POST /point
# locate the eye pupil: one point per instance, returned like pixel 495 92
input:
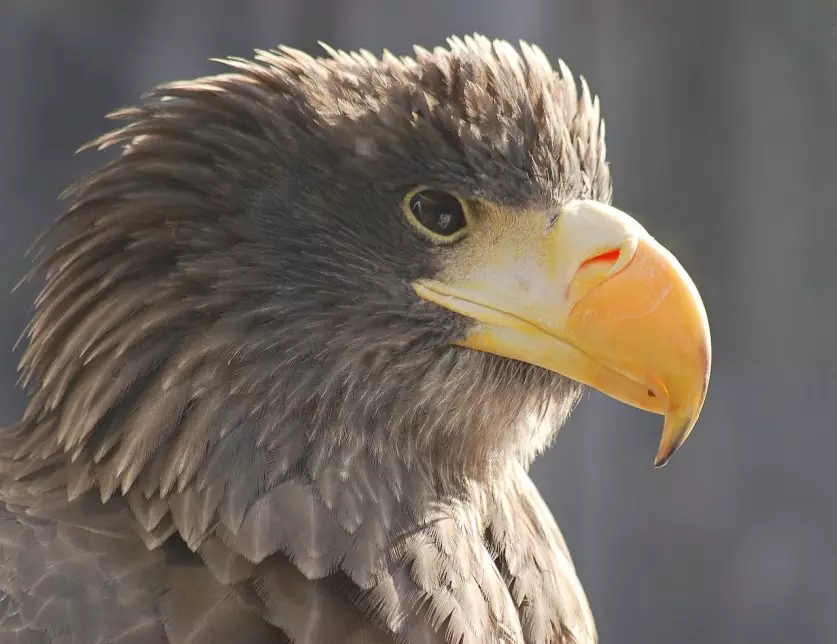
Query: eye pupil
pixel 440 212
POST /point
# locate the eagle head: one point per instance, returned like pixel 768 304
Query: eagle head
pixel 411 258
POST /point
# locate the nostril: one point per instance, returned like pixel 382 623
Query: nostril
pixel 607 257
pixel 593 271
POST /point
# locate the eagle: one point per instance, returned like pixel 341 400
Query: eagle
pixel 298 343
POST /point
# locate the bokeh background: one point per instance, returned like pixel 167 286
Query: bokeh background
pixel 723 142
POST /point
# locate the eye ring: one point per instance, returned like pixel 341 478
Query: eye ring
pixel 437 214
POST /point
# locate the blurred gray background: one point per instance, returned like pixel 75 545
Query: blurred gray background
pixel 723 142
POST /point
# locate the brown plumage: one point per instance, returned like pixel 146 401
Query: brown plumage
pixel 244 426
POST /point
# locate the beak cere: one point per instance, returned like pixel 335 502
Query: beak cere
pixel 595 298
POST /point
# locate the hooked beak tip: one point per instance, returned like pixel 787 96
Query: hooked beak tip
pixel 661 460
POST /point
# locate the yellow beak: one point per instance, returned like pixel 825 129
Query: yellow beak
pixel 595 298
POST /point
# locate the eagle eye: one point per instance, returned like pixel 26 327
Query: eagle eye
pixel 439 215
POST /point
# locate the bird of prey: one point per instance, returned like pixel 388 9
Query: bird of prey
pixel 298 343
